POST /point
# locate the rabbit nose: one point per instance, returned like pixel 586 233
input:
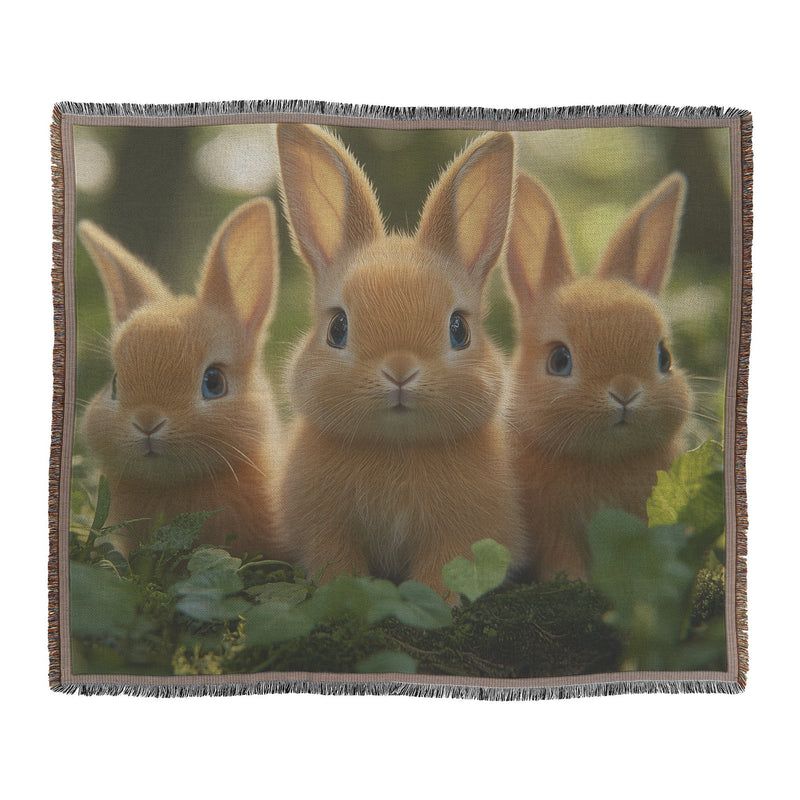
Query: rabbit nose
pixel 624 390
pixel 149 427
pixel 400 370
pixel 624 401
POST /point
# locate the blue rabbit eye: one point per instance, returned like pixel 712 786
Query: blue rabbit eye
pixel 114 387
pixel 664 358
pixel 214 383
pixel 459 331
pixel 337 330
pixel 560 361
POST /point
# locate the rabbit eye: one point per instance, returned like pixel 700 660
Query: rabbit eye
pixel 337 330
pixel 114 387
pixel 664 358
pixel 214 383
pixel 560 361
pixel 459 331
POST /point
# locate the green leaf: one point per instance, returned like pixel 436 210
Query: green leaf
pixel 271 623
pixel 387 661
pixel 474 578
pixel 101 603
pixel 642 572
pixel 206 559
pixel 180 534
pixel 212 607
pixel 366 601
pixel 421 607
pixel 103 504
pixel 698 472
pixel 207 594
pixel 279 593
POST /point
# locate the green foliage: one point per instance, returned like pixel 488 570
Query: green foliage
pixel 362 601
pixel 663 579
pixel 179 607
pixel 474 578
pixel 180 534
pixel 210 592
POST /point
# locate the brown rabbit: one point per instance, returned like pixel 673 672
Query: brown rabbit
pixel 187 423
pixel 597 405
pixel 397 460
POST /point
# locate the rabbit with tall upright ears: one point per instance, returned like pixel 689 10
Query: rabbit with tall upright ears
pixel 397 460
pixel 598 407
pixel 187 423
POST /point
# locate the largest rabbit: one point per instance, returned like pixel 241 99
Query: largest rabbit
pixel 187 422
pixel 397 460
pixel 598 406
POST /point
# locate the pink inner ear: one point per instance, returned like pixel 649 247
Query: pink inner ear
pixel 538 257
pixel 642 249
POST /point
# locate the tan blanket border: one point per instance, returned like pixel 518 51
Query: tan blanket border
pixel 66 114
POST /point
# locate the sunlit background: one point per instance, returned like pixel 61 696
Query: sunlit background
pixel 162 192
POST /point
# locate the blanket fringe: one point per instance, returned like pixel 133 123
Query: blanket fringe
pixel 400 113
pixel 59 378
pixel 740 439
pixel 498 693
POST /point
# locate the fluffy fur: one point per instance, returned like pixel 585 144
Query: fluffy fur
pixel 397 460
pixel 594 437
pixel 164 446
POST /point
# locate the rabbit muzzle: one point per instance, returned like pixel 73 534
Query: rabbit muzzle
pixel 400 373
pixel 625 395
pixel 149 427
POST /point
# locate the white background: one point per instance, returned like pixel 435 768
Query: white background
pixel 499 54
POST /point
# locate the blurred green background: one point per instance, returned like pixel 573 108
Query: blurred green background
pixel 162 192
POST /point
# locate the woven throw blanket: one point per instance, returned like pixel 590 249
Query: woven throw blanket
pixel 395 400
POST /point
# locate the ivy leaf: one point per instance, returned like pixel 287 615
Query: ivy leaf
pixel 387 661
pixel 474 578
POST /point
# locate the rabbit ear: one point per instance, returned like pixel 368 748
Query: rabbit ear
pixel 538 258
pixel 330 203
pixel 466 214
pixel 642 249
pixel 128 282
pixel 241 271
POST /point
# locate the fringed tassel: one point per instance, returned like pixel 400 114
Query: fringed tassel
pixel 59 377
pixel 498 693
pixel 398 113
pixel 740 444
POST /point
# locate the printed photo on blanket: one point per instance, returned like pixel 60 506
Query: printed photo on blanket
pixel 445 401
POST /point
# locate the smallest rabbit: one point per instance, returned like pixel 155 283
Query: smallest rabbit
pixel 187 422
pixel 598 405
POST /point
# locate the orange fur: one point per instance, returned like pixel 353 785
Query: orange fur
pixel 397 460
pixel 165 447
pixel 595 437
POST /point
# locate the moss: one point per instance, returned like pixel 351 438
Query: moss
pixel 551 628
pixel 544 629
pixel 329 648
pixel 708 600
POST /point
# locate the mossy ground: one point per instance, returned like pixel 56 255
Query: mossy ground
pixel 523 631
